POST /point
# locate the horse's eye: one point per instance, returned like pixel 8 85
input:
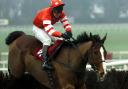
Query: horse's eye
pixel 95 52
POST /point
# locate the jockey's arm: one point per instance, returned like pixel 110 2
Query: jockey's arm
pixel 48 27
pixel 67 26
pixel 65 23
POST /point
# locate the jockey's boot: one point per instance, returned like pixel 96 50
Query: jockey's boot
pixel 46 64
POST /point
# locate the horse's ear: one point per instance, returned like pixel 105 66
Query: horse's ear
pixel 104 38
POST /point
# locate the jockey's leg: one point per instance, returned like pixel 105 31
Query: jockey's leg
pixel 46 64
pixel 45 39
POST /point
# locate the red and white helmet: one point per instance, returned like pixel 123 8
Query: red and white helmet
pixel 56 3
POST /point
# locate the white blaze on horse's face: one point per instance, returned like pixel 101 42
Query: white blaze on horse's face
pixel 103 59
pixel 102 53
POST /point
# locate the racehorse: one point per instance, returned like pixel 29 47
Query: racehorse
pixel 69 63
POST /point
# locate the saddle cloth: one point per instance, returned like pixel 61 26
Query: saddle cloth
pixel 38 51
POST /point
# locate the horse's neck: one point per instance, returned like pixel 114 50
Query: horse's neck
pixel 71 57
pixel 81 51
pixel 84 47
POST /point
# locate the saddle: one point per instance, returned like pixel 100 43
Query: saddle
pixel 38 51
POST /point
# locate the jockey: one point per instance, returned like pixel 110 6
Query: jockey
pixel 43 27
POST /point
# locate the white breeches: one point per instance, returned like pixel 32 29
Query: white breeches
pixel 42 36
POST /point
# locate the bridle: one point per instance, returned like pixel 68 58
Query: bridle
pixel 94 50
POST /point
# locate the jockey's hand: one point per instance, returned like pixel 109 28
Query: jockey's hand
pixel 65 35
pixel 69 34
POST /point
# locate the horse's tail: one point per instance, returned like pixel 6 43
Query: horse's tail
pixel 13 36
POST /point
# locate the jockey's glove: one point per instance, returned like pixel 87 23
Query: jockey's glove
pixel 67 35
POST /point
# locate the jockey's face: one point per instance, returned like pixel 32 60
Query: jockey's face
pixel 56 14
pixel 57 11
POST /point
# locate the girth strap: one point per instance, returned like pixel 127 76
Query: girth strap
pixel 52 81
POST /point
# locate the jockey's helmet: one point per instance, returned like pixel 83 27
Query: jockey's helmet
pixel 57 5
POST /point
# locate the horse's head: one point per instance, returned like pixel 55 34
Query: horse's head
pixel 92 51
pixel 97 54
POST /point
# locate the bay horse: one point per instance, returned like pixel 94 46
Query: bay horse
pixel 69 63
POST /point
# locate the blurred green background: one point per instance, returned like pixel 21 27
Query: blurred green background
pixel 117 34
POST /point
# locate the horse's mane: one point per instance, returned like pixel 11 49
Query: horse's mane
pixel 84 37
pixel 81 38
